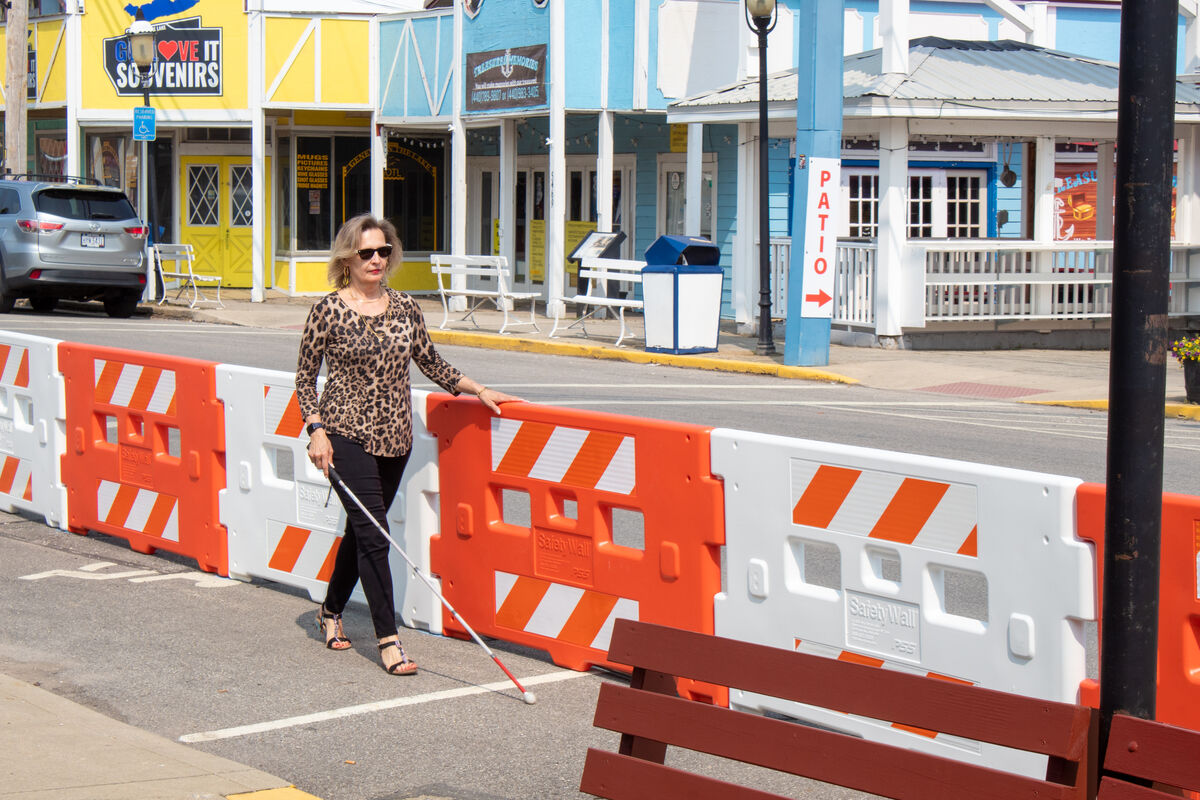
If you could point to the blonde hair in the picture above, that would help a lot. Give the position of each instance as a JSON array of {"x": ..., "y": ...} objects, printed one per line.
[{"x": 346, "y": 244}]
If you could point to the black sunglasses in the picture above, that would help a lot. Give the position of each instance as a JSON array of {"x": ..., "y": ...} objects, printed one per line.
[{"x": 385, "y": 252}]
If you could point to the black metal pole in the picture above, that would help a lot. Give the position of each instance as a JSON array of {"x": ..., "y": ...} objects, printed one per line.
[
  {"x": 151, "y": 159},
  {"x": 766, "y": 339},
  {"x": 1137, "y": 367}
]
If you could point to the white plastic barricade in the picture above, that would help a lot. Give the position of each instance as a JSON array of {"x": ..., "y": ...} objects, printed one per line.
[
  {"x": 942, "y": 568},
  {"x": 32, "y": 425},
  {"x": 284, "y": 522}
]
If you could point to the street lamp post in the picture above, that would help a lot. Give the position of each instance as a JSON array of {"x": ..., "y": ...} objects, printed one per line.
[
  {"x": 761, "y": 17},
  {"x": 140, "y": 39}
]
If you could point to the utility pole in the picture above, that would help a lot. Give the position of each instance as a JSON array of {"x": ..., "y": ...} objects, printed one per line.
[{"x": 15, "y": 87}]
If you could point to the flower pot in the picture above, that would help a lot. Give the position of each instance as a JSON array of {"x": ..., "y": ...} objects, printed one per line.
[{"x": 1191, "y": 379}]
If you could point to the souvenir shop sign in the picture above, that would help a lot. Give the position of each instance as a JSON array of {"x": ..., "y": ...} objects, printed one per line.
[
  {"x": 187, "y": 61},
  {"x": 511, "y": 78}
]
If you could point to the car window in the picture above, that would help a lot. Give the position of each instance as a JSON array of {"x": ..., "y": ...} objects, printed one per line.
[
  {"x": 10, "y": 201},
  {"x": 76, "y": 204}
]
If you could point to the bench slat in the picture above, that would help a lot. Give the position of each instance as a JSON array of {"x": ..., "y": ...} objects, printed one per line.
[
  {"x": 619, "y": 777},
  {"x": 1113, "y": 789},
  {"x": 1163, "y": 753},
  {"x": 1041, "y": 726},
  {"x": 809, "y": 752}
]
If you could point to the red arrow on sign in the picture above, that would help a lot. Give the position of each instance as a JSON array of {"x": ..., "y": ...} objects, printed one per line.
[{"x": 820, "y": 298}]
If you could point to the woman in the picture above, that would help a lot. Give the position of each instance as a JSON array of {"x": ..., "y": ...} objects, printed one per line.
[{"x": 362, "y": 423}]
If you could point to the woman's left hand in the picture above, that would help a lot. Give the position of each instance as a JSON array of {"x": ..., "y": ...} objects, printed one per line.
[{"x": 492, "y": 399}]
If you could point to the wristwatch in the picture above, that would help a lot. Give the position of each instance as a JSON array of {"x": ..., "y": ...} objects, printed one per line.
[{"x": 313, "y": 426}]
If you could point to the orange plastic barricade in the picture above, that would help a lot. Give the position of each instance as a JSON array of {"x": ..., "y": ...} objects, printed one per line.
[
  {"x": 1178, "y": 698},
  {"x": 145, "y": 453},
  {"x": 558, "y": 580}
]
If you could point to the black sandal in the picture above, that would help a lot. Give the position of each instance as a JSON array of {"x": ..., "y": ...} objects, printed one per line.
[
  {"x": 404, "y": 666},
  {"x": 339, "y": 634}
]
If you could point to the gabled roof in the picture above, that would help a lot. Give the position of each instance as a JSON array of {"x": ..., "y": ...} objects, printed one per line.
[{"x": 948, "y": 78}]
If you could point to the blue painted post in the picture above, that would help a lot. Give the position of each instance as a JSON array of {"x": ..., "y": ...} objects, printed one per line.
[{"x": 817, "y": 181}]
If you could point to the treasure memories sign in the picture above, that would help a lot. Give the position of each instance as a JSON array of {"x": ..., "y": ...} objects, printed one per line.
[
  {"x": 511, "y": 78},
  {"x": 187, "y": 61}
]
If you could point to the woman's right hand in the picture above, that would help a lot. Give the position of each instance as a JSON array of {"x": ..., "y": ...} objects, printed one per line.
[{"x": 320, "y": 451}]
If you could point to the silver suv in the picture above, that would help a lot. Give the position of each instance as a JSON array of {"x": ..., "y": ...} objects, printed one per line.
[{"x": 66, "y": 238}]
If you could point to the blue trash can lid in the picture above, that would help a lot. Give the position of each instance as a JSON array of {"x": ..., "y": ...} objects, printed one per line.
[{"x": 673, "y": 249}]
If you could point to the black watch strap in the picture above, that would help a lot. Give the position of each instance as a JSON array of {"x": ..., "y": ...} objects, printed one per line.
[{"x": 313, "y": 426}]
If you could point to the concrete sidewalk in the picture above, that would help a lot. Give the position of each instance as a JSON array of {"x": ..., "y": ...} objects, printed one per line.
[
  {"x": 1077, "y": 378},
  {"x": 55, "y": 749}
]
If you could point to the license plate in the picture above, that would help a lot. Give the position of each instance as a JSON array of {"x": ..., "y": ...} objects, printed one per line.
[{"x": 91, "y": 240}]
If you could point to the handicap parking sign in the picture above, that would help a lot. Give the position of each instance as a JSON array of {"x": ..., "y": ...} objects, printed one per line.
[{"x": 143, "y": 124}]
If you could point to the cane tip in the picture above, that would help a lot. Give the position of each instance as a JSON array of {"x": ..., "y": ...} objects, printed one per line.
[{"x": 529, "y": 697}]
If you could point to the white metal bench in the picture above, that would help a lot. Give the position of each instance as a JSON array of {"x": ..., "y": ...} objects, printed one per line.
[
  {"x": 598, "y": 272},
  {"x": 499, "y": 293},
  {"x": 182, "y": 276}
]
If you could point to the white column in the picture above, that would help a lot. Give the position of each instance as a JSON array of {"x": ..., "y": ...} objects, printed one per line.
[
  {"x": 745, "y": 255},
  {"x": 604, "y": 171},
  {"x": 74, "y": 93},
  {"x": 1187, "y": 193},
  {"x": 508, "y": 191},
  {"x": 641, "y": 53},
  {"x": 1039, "y": 15},
  {"x": 893, "y": 31},
  {"x": 258, "y": 159},
  {"x": 379, "y": 133},
  {"x": 458, "y": 166},
  {"x": 1191, "y": 40},
  {"x": 695, "y": 162},
  {"x": 1044, "y": 218},
  {"x": 893, "y": 229},
  {"x": 557, "y": 206}
]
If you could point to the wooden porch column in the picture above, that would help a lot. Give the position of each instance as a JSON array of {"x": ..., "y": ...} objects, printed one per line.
[
  {"x": 458, "y": 167},
  {"x": 1187, "y": 191},
  {"x": 508, "y": 192},
  {"x": 1105, "y": 173},
  {"x": 1044, "y": 218},
  {"x": 745, "y": 259},
  {"x": 893, "y": 227},
  {"x": 695, "y": 164}
]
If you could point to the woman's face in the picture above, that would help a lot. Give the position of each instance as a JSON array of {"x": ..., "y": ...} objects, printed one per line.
[{"x": 366, "y": 274}]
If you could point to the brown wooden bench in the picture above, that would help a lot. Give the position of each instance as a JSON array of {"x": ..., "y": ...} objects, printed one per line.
[
  {"x": 650, "y": 717},
  {"x": 1151, "y": 751}
]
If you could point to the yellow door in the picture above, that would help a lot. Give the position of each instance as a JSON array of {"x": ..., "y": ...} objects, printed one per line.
[{"x": 218, "y": 215}]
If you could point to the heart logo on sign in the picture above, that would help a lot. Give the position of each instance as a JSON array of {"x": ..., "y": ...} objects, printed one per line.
[{"x": 168, "y": 49}]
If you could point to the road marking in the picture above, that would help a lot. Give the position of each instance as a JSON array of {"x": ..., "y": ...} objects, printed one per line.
[
  {"x": 91, "y": 572},
  {"x": 379, "y": 705}
]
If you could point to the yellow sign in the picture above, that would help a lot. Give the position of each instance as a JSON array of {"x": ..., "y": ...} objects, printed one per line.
[
  {"x": 678, "y": 138},
  {"x": 575, "y": 233},
  {"x": 537, "y": 249},
  {"x": 495, "y": 237}
]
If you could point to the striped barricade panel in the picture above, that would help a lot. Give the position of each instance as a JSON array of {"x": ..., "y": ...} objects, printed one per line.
[
  {"x": 145, "y": 452},
  {"x": 1178, "y": 691},
  {"x": 284, "y": 522},
  {"x": 960, "y": 571},
  {"x": 537, "y": 505},
  {"x": 31, "y": 427}
]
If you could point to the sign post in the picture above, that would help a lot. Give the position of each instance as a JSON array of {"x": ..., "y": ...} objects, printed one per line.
[{"x": 817, "y": 184}]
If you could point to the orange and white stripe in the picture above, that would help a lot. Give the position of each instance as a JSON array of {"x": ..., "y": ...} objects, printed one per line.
[
  {"x": 135, "y": 509},
  {"x": 849, "y": 656},
  {"x": 135, "y": 386},
  {"x": 16, "y": 478},
  {"x": 298, "y": 551},
  {"x": 281, "y": 411},
  {"x": 938, "y": 515},
  {"x": 14, "y": 366},
  {"x": 568, "y": 456},
  {"x": 567, "y": 613}
]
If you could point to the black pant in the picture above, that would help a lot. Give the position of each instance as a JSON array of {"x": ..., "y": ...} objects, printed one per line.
[{"x": 363, "y": 553}]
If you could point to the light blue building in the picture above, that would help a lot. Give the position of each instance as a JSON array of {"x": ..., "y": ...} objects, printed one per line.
[{"x": 969, "y": 171}]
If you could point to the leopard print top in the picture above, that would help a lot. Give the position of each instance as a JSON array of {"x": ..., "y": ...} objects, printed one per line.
[{"x": 368, "y": 392}]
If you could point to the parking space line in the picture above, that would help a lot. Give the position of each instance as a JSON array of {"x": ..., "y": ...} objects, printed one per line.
[{"x": 380, "y": 705}]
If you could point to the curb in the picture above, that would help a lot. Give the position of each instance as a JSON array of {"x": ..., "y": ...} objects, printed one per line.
[
  {"x": 495, "y": 342},
  {"x": 1174, "y": 410},
  {"x": 286, "y": 793}
]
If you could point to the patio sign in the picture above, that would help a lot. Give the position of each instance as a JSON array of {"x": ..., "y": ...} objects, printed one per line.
[
  {"x": 514, "y": 77},
  {"x": 820, "y": 235},
  {"x": 187, "y": 61}
]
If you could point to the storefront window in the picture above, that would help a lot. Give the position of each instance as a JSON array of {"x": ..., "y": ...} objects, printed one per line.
[
  {"x": 283, "y": 168},
  {"x": 113, "y": 161},
  {"x": 51, "y": 153},
  {"x": 313, "y": 215},
  {"x": 413, "y": 191},
  {"x": 352, "y": 173}
]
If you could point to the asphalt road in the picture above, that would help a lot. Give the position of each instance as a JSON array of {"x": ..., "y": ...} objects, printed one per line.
[{"x": 150, "y": 641}]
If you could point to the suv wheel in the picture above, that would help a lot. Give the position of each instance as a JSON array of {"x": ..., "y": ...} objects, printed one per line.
[
  {"x": 6, "y": 302},
  {"x": 122, "y": 306},
  {"x": 43, "y": 304}
]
